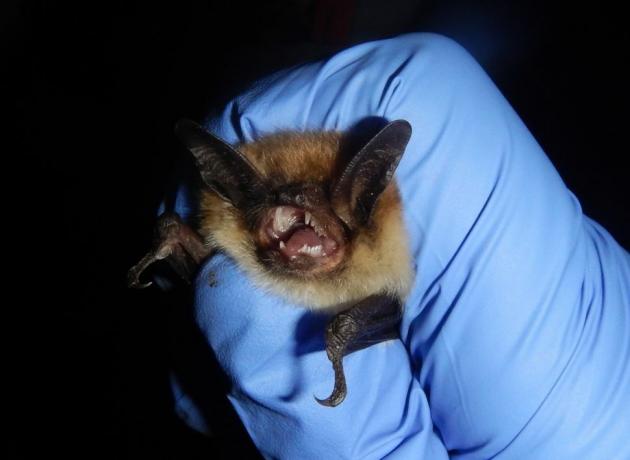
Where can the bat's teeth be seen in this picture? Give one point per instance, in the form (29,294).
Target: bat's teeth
(314,224)
(277,219)
(283,219)
(314,251)
(290,223)
(307,217)
(282,245)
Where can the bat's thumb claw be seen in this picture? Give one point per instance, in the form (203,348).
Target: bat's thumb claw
(133,280)
(333,400)
(133,275)
(139,285)
(339,391)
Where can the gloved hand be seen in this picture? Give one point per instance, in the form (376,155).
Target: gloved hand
(515,341)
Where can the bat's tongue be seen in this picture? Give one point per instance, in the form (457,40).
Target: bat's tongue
(306,241)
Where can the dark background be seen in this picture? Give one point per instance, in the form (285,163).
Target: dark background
(95,88)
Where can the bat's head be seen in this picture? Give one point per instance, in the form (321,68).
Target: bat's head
(296,204)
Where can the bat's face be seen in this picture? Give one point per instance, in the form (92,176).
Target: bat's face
(301,199)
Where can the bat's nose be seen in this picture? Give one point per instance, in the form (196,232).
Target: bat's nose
(302,195)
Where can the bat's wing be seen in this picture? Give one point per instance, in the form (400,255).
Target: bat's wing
(176,243)
(373,320)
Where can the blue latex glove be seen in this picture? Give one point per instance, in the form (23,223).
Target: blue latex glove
(516,336)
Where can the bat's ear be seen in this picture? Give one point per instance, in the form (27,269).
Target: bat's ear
(368,172)
(223,168)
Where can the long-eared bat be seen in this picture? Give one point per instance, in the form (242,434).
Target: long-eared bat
(308,216)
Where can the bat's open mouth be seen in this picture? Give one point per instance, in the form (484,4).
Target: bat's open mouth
(304,241)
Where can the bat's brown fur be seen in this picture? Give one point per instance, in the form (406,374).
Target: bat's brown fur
(377,257)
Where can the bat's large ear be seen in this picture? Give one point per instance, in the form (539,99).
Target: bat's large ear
(368,172)
(223,168)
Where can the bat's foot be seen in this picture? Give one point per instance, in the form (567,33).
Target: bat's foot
(371,321)
(174,242)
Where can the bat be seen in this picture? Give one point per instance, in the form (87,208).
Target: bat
(314,217)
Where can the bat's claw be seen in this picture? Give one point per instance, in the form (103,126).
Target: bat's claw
(373,320)
(176,243)
(133,275)
(133,279)
(339,391)
(333,400)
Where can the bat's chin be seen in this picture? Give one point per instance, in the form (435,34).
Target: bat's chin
(301,242)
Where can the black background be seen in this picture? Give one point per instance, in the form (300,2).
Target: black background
(97,87)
